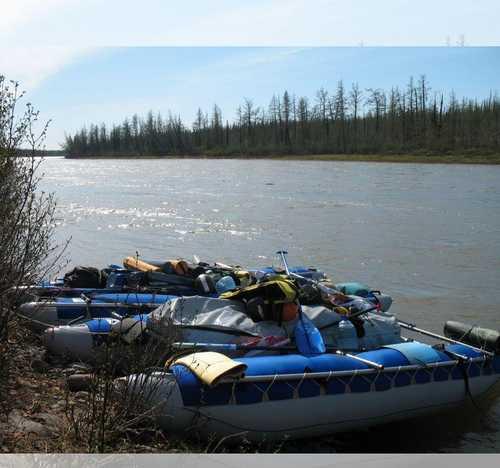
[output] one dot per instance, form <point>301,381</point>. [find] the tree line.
<point>352,120</point>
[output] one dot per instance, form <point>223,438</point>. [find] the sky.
<point>100,61</point>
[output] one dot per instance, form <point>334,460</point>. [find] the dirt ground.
<point>39,414</point>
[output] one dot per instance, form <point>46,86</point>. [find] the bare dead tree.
<point>403,120</point>
<point>27,214</point>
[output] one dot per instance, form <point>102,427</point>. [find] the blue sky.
<point>108,84</point>
<point>85,61</point>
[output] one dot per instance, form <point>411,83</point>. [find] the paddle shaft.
<point>327,290</point>
<point>402,324</point>
<point>409,326</point>
<point>101,305</point>
<point>242,347</point>
<point>301,328</point>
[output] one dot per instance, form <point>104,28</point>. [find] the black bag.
<point>168,284</point>
<point>136,280</point>
<point>157,278</point>
<point>309,294</point>
<point>85,277</point>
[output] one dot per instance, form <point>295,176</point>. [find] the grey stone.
<point>39,366</point>
<point>26,425</point>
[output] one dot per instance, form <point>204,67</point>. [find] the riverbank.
<point>378,158</point>
<point>40,414</point>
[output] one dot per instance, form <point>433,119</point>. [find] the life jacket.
<point>264,301</point>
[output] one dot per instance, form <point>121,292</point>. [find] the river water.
<point>429,235</point>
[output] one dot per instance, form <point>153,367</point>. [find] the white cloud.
<point>31,65</point>
<point>24,55</point>
<point>37,38</point>
<point>242,22</point>
<point>17,13</point>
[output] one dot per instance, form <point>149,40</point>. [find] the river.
<point>429,235</point>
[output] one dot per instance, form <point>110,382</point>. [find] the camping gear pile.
<point>269,353</point>
<point>204,303</point>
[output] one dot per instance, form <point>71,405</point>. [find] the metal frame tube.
<point>409,326</point>
<point>348,373</point>
<point>375,365</point>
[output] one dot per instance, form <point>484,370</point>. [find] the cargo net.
<point>257,392</point>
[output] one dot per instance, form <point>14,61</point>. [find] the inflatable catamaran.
<point>293,396</point>
<point>271,353</point>
<point>318,392</point>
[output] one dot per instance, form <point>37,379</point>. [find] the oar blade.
<point>307,337</point>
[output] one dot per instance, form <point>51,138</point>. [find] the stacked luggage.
<point>203,303</point>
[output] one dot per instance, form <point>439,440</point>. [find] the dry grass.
<point>41,415</point>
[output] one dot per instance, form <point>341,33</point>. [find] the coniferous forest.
<point>346,120</point>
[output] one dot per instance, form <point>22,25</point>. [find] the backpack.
<point>265,300</point>
<point>85,277</point>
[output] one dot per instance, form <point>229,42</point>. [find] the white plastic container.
<point>346,338</point>
<point>380,329</point>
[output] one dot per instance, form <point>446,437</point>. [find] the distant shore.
<point>381,158</point>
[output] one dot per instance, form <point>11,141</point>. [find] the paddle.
<point>243,347</point>
<point>321,286</point>
<point>325,289</point>
<point>224,266</point>
<point>307,336</point>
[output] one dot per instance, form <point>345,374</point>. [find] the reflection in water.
<point>427,234</point>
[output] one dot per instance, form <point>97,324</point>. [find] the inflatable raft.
<point>200,319</point>
<point>294,396</point>
<point>64,310</point>
<point>83,340</point>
